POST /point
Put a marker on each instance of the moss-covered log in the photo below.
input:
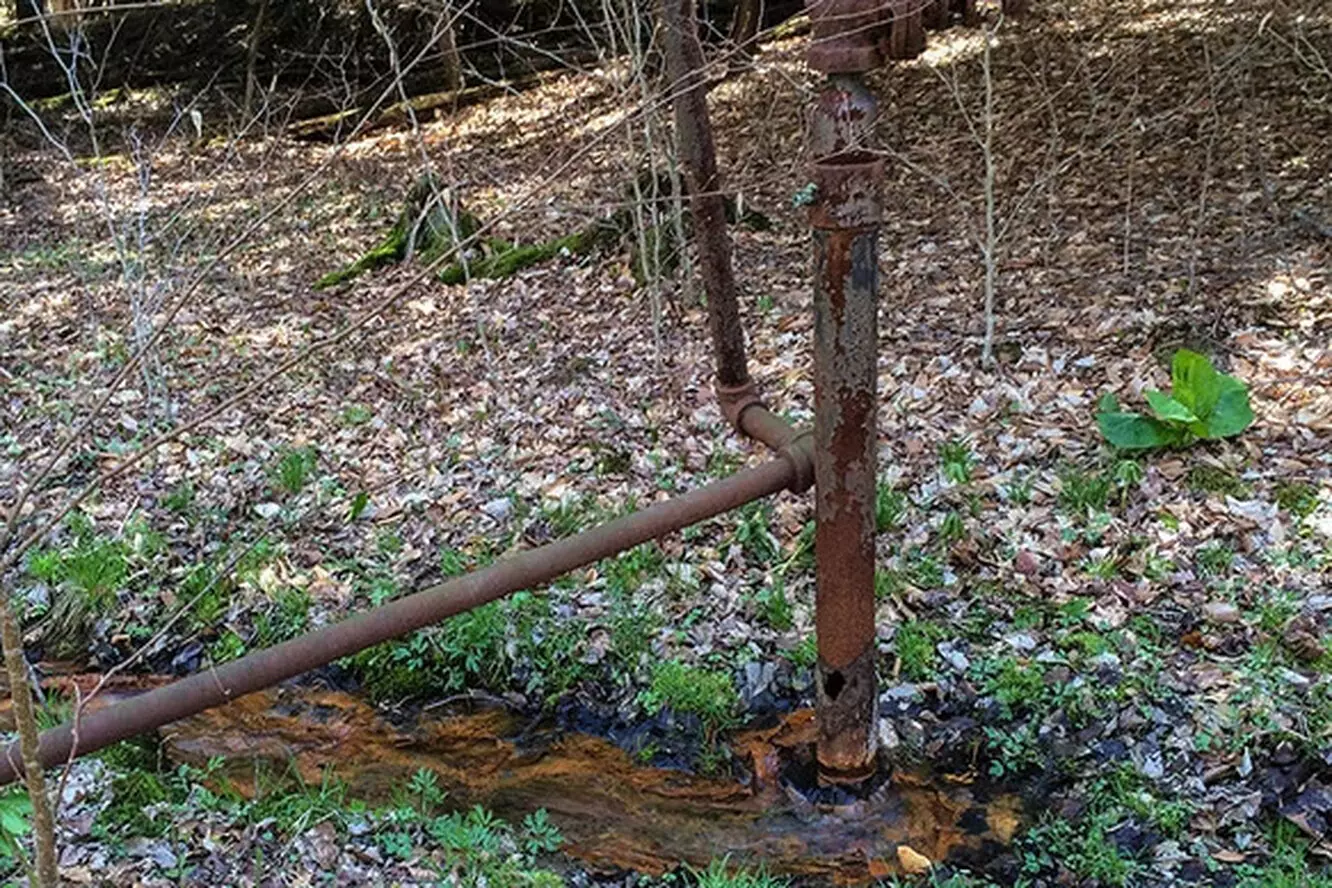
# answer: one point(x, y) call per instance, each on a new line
point(434, 224)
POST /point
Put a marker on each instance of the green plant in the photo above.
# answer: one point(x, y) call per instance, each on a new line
point(15, 811)
point(914, 642)
point(752, 532)
point(542, 836)
point(805, 654)
point(209, 594)
point(1015, 685)
point(1018, 490)
point(887, 583)
point(1083, 848)
point(957, 459)
point(775, 606)
point(1204, 404)
point(180, 498)
point(423, 793)
point(480, 849)
point(1213, 479)
point(1297, 498)
point(952, 528)
point(1083, 492)
point(287, 618)
point(356, 414)
point(97, 568)
point(1215, 558)
point(720, 874)
point(1288, 864)
point(396, 844)
point(229, 646)
point(890, 507)
point(293, 469)
point(921, 569)
point(709, 694)
point(1013, 749)
point(1103, 568)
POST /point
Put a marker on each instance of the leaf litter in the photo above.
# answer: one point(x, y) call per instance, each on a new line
point(1155, 625)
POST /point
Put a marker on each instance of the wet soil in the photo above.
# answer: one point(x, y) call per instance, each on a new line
point(614, 811)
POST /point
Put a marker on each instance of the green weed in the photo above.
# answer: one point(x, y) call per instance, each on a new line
point(720, 874)
point(356, 415)
point(709, 694)
point(1015, 685)
point(1297, 498)
point(957, 459)
point(293, 468)
point(286, 618)
point(914, 642)
point(1215, 558)
point(890, 507)
point(775, 607)
point(753, 534)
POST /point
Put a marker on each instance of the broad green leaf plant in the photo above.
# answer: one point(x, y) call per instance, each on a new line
point(1204, 405)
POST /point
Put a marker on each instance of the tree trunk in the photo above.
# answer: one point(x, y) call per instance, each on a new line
point(252, 55)
point(448, 44)
point(745, 26)
point(45, 873)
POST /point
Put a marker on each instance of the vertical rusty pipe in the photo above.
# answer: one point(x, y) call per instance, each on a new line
point(687, 86)
point(845, 218)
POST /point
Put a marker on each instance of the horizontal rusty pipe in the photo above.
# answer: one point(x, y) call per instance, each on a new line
point(268, 667)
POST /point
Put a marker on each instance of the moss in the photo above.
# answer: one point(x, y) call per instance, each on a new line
point(426, 224)
point(1223, 482)
point(503, 259)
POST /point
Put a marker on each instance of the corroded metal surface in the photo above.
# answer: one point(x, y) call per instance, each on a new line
point(906, 39)
point(698, 153)
point(845, 217)
point(847, 36)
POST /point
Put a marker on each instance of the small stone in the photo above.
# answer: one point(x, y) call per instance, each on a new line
point(955, 658)
point(499, 509)
point(1221, 612)
point(267, 510)
point(913, 863)
point(888, 739)
point(1026, 563)
point(1021, 641)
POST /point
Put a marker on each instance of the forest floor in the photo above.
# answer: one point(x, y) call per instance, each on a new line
point(1139, 645)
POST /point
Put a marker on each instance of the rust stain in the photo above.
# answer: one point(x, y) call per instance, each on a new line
point(613, 812)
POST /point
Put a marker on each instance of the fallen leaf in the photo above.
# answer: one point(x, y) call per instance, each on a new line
point(912, 861)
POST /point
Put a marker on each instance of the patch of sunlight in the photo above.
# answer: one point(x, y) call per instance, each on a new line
point(954, 46)
point(1198, 15)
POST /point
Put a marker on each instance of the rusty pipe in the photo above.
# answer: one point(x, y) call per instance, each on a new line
point(698, 154)
point(267, 667)
point(845, 218)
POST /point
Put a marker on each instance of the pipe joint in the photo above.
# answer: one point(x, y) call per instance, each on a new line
point(799, 452)
point(734, 400)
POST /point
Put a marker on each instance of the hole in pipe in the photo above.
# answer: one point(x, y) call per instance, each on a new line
point(833, 684)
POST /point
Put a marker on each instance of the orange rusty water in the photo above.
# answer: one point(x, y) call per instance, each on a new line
point(613, 812)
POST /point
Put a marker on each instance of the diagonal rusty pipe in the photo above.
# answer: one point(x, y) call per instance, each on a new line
point(737, 393)
point(261, 669)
